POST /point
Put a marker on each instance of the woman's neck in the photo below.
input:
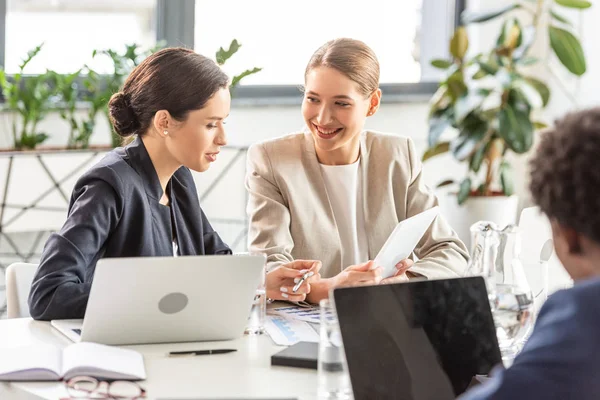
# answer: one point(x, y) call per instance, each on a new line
point(162, 161)
point(347, 154)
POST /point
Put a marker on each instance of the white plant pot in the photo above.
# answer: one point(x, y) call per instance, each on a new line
point(501, 210)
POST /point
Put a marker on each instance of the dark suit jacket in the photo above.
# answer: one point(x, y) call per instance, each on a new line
point(561, 360)
point(115, 212)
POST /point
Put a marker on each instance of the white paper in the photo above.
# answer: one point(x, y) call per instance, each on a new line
point(286, 331)
point(403, 240)
point(308, 314)
point(39, 362)
point(102, 361)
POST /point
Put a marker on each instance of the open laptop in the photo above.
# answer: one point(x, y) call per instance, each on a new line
point(420, 340)
point(167, 299)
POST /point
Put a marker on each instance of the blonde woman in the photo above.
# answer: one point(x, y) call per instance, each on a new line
point(336, 192)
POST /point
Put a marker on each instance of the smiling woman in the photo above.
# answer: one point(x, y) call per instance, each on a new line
point(335, 192)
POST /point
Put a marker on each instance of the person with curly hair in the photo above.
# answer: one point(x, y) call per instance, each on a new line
point(561, 360)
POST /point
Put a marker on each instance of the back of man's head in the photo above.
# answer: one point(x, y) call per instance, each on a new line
point(565, 180)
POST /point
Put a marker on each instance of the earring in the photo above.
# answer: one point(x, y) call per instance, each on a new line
point(165, 132)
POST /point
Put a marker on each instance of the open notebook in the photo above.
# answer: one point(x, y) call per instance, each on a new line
point(50, 363)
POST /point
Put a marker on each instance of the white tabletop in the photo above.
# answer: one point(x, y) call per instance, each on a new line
point(246, 373)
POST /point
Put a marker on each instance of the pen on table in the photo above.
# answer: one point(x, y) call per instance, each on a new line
point(301, 281)
point(200, 352)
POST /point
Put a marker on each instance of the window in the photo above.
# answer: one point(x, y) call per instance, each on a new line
point(72, 29)
point(281, 36)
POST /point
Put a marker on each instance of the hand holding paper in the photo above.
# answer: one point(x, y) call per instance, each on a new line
point(403, 240)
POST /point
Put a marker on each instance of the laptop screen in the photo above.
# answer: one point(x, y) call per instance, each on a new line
point(417, 340)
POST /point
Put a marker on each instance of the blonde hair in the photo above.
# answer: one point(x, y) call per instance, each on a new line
point(351, 57)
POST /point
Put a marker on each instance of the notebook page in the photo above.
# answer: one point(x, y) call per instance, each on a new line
point(102, 361)
point(39, 362)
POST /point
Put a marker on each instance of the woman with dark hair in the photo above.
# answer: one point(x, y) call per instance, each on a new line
point(141, 200)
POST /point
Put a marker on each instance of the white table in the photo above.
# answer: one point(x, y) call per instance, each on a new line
point(247, 373)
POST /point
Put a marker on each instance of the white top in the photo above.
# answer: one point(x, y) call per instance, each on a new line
point(344, 188)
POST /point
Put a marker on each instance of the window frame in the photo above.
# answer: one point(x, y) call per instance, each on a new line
point(175, 26)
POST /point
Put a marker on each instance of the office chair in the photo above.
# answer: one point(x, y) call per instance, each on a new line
point(18, 283)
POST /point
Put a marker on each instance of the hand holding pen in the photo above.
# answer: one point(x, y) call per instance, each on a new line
point(292, 281)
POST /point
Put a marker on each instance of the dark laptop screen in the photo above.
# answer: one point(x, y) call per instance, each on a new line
point(419, 340)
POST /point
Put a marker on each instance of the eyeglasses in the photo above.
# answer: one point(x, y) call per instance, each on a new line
point(86, 387)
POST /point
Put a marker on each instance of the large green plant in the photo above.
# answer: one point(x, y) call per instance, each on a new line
point(490, 101)
point(31, 98)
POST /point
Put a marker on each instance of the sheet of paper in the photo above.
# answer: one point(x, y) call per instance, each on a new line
point(287, 331)
point(403, 239)
point(310, 314)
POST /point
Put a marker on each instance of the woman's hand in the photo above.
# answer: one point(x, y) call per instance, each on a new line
point(281, 280)
point(354, 275)
point(400, 274)
point(361, 274)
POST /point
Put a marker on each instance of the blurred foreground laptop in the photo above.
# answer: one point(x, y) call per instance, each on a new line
point(167, 299)
point(420, 340)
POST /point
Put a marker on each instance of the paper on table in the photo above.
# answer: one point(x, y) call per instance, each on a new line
point(403, 240)
point(310, 314)
point(108, 361)
point(287, 331)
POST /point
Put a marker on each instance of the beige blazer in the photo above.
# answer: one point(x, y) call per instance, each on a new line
point(291, 216)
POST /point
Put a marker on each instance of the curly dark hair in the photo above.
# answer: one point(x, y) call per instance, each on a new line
point(565, 172)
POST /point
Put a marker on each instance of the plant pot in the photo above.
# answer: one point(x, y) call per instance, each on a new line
point(501, 210)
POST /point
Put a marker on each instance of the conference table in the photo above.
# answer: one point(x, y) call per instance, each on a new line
point(244, 374)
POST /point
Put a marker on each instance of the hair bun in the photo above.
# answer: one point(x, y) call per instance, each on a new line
point(122, 115)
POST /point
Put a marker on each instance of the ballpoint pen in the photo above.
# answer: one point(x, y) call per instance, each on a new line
point(200, 352)
point(301, 281)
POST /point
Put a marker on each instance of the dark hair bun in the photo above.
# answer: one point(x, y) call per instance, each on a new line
point(122, 115)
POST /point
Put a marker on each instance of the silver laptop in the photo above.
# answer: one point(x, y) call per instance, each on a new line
point(167, 299)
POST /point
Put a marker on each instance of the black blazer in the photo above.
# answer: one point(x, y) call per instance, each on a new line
point(115, 212)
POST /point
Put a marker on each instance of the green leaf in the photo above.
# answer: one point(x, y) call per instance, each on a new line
point(223, 55)
point(478, 156)
point(441, 64)
point(574, 3)
point(515, 127)
point(466, 104)
point(568, 50)
point(541, 88)
point(440, 100)
point(480, 74)
point(488, 68)
point(445, 183)
point(528, 60)
point(456, 85)
point(482, 16)
point(459, 43)
point(236, 79)
point(528, 36)
point(438, 123)
point(539, 125)
point(472, 132)
point(438, 149)
point(559, 17)
point(506, 179)
point(464, 191)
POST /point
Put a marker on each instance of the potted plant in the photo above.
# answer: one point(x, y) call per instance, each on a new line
point(486, 106)
point(29, 100)
point(51, 172)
